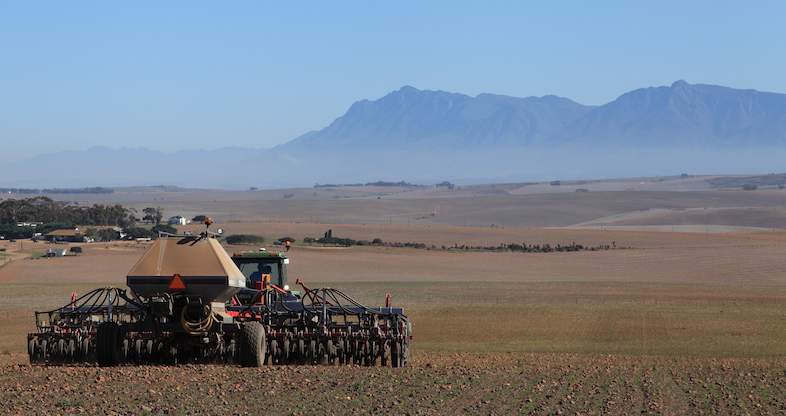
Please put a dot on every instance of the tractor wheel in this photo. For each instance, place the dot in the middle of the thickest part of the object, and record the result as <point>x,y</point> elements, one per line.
<point>72,349</point>
<point>395,354</point>
<point>231,353</point>
<point>301,350</point>
<point>125,349</point>
<point>331,352</point>
<point>312,351</point>
<point>138,351</point>
<point>44,352</point>
<point>324,356</point>
<point>356,352</point>
<point>32,350</point>
<point>384,354</point>
<point>275,354</point>
<point>85,348</point>
<point>61,350</point>
<point>373,353</point>
<point>108,344</point>
<point>366,354</point>
<point>252,345</point>
<point>404,353</point>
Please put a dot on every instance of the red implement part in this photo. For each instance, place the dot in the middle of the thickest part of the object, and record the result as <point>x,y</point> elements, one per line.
<point>177,283</point>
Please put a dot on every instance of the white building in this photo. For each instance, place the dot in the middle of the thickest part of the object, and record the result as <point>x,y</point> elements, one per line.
<point>178,220</point>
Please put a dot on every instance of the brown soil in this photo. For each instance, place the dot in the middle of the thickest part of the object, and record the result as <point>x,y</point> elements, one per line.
<point>434,384</point>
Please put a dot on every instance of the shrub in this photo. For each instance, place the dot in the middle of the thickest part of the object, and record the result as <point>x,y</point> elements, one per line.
<point>106,234</point>
<point>245,239</point>
<point>139,232</point>
<point>163,228</point>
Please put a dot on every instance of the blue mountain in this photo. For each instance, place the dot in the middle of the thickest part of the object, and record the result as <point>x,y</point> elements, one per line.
<point>683,114</point>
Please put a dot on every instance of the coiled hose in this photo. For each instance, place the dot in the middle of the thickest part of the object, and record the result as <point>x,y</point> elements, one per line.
<point>199,326</point>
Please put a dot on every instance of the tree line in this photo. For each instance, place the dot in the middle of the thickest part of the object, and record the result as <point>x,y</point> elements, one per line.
<point>29,191</point>
<point>46,210</point>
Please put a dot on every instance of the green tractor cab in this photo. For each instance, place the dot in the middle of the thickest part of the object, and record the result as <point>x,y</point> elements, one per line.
<point>256,264</point>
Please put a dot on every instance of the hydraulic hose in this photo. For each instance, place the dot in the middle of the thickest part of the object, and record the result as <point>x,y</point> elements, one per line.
<point>198,326</point>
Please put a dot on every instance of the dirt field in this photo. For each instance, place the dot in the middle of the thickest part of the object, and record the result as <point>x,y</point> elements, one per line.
<point>509,383</point>
<point>674,323</point>
<point>509,205</point>
<point>671,322</point>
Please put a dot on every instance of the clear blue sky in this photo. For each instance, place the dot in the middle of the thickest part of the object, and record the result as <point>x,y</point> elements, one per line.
<point>173,75</point>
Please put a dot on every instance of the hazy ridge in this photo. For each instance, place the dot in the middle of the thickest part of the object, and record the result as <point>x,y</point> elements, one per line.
<point>428,136</point>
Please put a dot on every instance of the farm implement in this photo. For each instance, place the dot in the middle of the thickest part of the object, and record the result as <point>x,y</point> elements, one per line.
<point>188,301</point>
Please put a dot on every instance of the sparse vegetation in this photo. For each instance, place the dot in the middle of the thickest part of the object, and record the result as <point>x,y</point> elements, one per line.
<point>32,191</point>
<point>446,184</point>
<point>240,239</point>
<point>329,239</point>
<point>377,183</point>
<point>771,180</point>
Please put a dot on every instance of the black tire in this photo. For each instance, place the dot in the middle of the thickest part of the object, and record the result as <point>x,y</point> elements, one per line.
<point>32,349</point>
<point>252,345</point>
<point>384,354</point>
<point>108,344</point>
<point>61,349</point>
<point>85,348</point>
<point>341,352</point>
<point>395,354</point>
<point>356,352</point>
<point>404,354</point>
<point>301,350</point>
<point>374,353</point>
<point>324,356</point>
<point>312,352</point>
<point>125,350</point>
<point>44,350</point>
<point>275,354</point>
<point>332,352</point>
<point>138,351</point>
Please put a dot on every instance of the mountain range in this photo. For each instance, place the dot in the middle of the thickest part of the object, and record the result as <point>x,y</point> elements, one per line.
<point>423,135</point>
<point>678,115</point>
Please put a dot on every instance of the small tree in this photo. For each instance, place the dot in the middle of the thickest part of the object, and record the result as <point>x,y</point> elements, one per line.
<point>153,215</point>
<point>106,234</point>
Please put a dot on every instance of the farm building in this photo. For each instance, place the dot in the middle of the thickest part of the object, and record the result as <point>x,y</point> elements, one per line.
<point>68,235</point>
<point>178,220</point>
